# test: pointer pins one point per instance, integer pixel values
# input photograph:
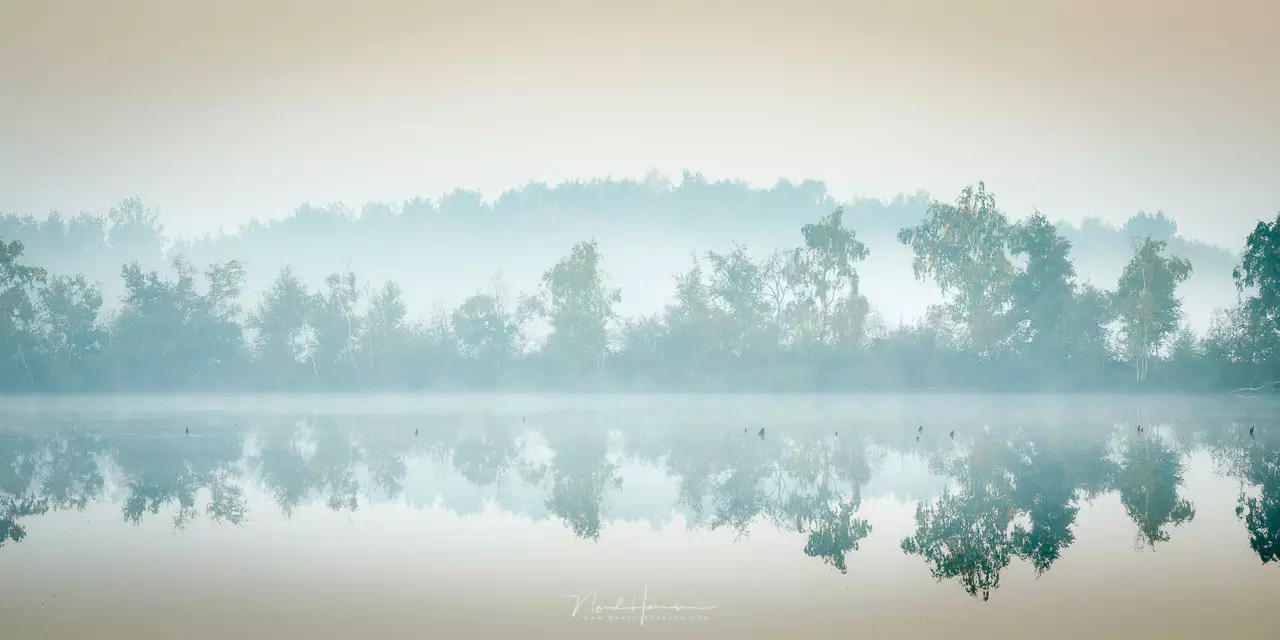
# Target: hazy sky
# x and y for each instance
(221, 111)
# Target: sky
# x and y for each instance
(218, 112)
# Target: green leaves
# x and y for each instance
(486, 329)
(828, 282)
(796, 319)
(962, 248)
(1259, 271)
(1147, 303)
(280, 321)
(1043, 292)
(580, 307)
(168, 333)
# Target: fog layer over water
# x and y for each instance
(476, 515)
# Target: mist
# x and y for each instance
(816, 319)
(648, 231)
(654, 251)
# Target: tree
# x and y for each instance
(169, 334)
(736, 285)
(337, 327)
(1087, 331)
(962, 247)
(828, 278)
(384, 336)
(779, 279)
(220, 323)
(1042, 292)
(579, 306)
(1147, 302)
(1259, 274)
(17, 313)
(1237, 348)
(1145, 225)
(690, 343)
(136, 232)
(488, 331)
(641, 348)
(1259, 270)
(70, 321)
(281, 324)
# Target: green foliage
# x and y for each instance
(580, 308)
(1144, 225)
(384, 338)
(489, 332)
(134, 230)
(792, 320)
(337, 326)
(17, 313)
(1042, 292)
(1147, 302)
(1087, 334)
(72, 333)
(827, 282)
(1259, 273)
(282, 329)
(962, 247)
(687, 337)
(965, 537)
(169, 334)
(735, 295)
(1148, 482)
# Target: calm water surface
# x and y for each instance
(499, 516)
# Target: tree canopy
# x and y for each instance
(1016, 316)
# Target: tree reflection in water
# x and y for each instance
(1015, 491)
(1255, 462)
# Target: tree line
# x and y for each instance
(647, 227)
(1015, 317)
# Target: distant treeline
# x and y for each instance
(1014, 318)
(647, 228)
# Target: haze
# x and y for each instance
(221, 112)
(437, 146)
(821, 319)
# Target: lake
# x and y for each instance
(471, 516)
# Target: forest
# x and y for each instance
(1013, 316)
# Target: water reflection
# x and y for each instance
(1255, 461)
(1148, 482)
(1015, 497)
(1014, 491)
